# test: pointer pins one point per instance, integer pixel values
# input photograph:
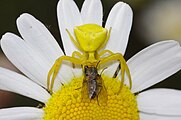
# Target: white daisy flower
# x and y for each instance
(37, 50)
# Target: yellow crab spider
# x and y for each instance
(90, 38)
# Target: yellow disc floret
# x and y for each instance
(67, 103)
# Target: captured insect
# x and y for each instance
(90, 39)
(93, 86)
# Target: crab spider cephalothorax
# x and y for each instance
(90, 38)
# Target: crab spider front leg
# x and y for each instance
(55, 68)
(124, 66)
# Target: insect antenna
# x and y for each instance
(97, 64)
(103, 70)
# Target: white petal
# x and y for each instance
(154, 63)
(110, 68)
(145, 116)
(25, 58)
(92, 12)
(14, 82)
(120, 19)
(38, 37)
(68, 17)
(21, 113)
(30, 62)
(160, 102)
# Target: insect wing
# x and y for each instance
(84, 91)
(102, 95)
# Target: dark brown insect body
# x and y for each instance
(93, 86)
(92, 79)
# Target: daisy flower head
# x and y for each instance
(37, 55)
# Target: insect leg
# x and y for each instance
(97, 100)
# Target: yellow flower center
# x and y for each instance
(67, 103)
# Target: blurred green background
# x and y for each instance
(146, 29)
